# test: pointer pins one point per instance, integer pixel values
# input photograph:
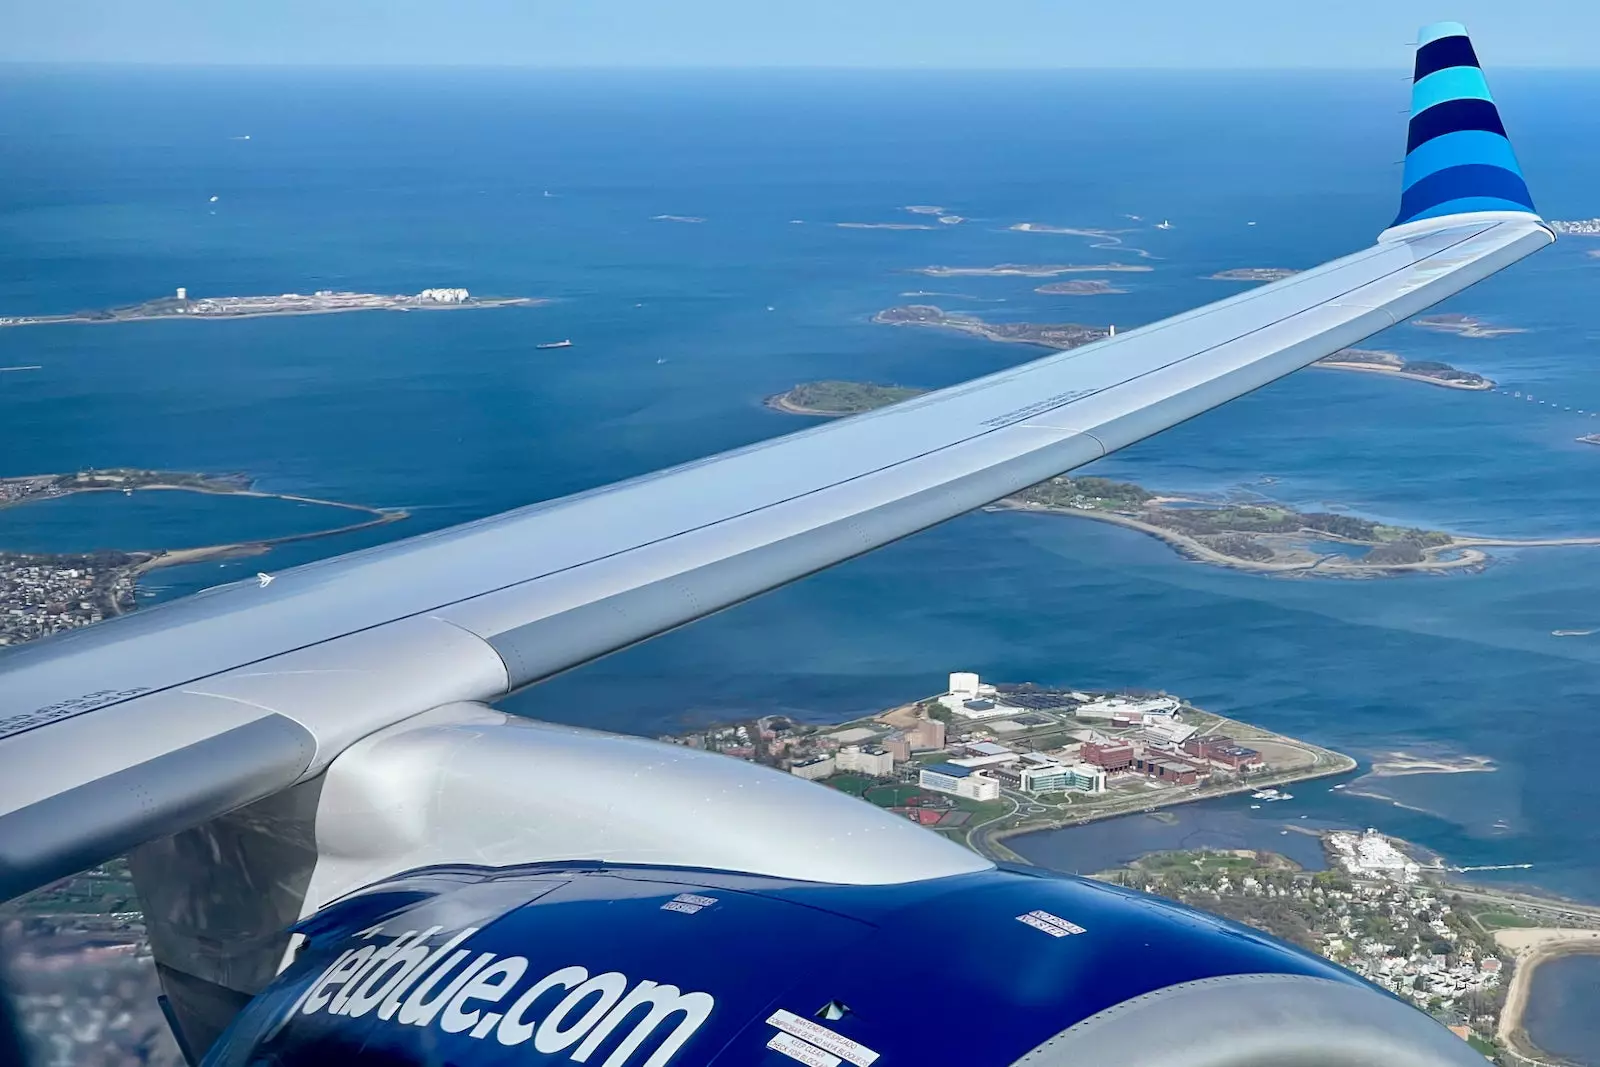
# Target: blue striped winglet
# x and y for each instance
(1457, 156)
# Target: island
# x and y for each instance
(1252, 274)
(1080, 287)
(322, 302)
(61, 591)
(1029, 270)
(883, 226)
(1463, 326)
(835, 398)
(1267, 537)
(1590, 438)
(1376, 361)
(1062, 335)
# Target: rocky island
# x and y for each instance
(1080, 287)
(1252, 274)
(321, 302)
(1060, 335)
(1463, 326)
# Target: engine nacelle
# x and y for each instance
(629, 966)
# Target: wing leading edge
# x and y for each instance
(104, 732)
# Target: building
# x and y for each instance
(898, 746)
(964, 685)
(1168, 734)
(1061, 777)
(1109, 756)
(873, 761)
(1109, 707)
(1168, 770)
(959, 781)
(183, 293)
(926, 735)
(813, 770)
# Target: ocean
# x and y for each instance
(548, 185)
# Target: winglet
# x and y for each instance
(1458, 160)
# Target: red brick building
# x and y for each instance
(1109, 756)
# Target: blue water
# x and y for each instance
(1560, 1016)
(393, 181)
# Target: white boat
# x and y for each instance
(554, 344)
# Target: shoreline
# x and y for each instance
(992, 844)
(117, 572)
(1470, 559)
(1483, 386)
(1530, 947)
(265, 313)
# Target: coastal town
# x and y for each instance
(322, 302)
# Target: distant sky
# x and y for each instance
(792, 33)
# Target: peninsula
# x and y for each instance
(984, 762)
(1463, 326)
(1061, 335)
(61, 591)
(1432, 372)
(1267, 537)
(1252, 274)
(1029, 270)
(322, 302)
(1080, 287)
(1071, 335)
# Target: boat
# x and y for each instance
(554, 344)
(1570, 633)
(1264, 794)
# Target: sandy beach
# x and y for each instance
(1530, 947)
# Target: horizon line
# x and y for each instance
(613, 68)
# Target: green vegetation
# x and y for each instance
(845, 398)
(892, 796)
(1503, 920)
(1233, 529)
(1096, 493)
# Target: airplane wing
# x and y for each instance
(144, 725)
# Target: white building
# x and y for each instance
(443, 296)
(871, 761)
(1061, 777)
(959, 781)
(1169, 733)
(812, 770)
(1106, 707)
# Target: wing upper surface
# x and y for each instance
(346, 646)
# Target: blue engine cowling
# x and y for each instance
(660, 967)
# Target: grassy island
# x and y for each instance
(835, 398)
